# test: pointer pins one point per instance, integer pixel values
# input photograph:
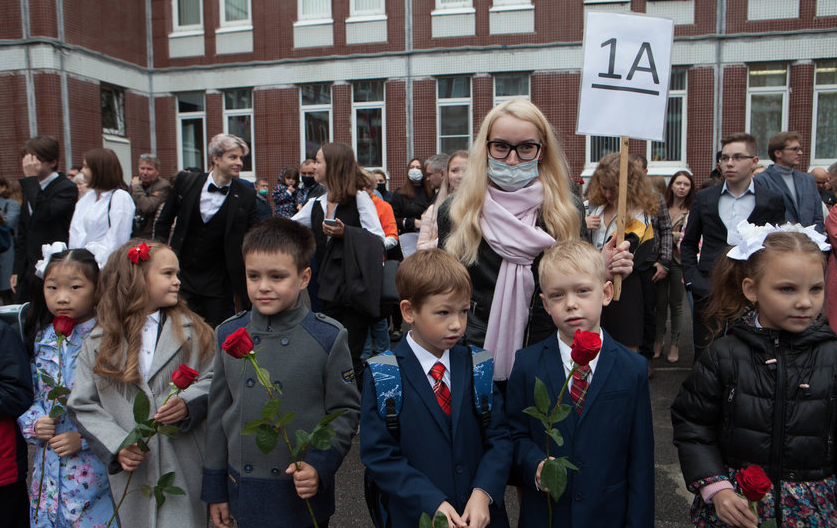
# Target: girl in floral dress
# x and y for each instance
(763, 395)
(69, 483)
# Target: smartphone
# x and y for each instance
(330, 222)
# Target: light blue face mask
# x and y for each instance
(512, 177)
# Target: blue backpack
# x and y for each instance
(386, 378)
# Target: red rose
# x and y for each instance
(184, 376)
(754, 483)
(238, 344)
(63, 325)
(586, 346)
(139, 252)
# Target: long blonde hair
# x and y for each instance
(121, 313)
(559, 212)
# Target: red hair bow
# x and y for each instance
(139, 253)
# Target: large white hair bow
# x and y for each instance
(749, 238)
(48, 250)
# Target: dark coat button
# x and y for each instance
(251, 382)
(257, 339)
(285, 341)
(578, 496)
(248, 468)
(274, 471)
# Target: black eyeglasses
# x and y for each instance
(500, 150)
(737, 158)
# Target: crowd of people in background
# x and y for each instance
(498, 247)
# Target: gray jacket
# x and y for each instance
(103, 412)
(307, 354)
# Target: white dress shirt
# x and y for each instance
(426, 359)
(149, 343)
(211, 202)
(365, 208)
(98, 230)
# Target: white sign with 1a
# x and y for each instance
(624, 81)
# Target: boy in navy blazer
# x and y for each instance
(441, 459)
(608, 436)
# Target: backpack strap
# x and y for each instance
(483, 369)
(386, 378)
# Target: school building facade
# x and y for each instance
(393, 78)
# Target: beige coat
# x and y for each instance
(103, 413)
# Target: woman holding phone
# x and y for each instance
(343, 215)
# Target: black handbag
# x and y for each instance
(389, 293)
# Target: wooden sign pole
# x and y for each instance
(621, 208)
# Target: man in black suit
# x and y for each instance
(718, 210)
(49, 200)
(213, 212)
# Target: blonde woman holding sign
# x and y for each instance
(513, 203)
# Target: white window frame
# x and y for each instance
(496, 3)
(323, 15)
(367, 105)
(818, 90)
(304, 109)
(767, 90)
(678, 164)
(501, 98)
(458, 101)
(177, 28)
(354, 11)
(590, 164)
(117, 94)
(245, 112)
(238, 24)
(181, 116)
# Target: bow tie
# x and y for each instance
(223, 190)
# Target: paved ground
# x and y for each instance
(672, 499)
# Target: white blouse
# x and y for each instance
(98, 230)
(365, 207)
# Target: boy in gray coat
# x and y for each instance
(307, 355)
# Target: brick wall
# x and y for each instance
(424, 121)
(10, 15)
(341, 113)
(48, 96)
(113, 27)
(85, 116)
(137, 126)
(165, 109)
(15, 129)
(700, 101)
(734, 106)
(800, 103)
(42, 18)
(396, 132)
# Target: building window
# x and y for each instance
(600, 146)
(366, 8)
(510, 86)
(454, 113)
(191, 145)
(453, 4)
(113, 110)
(825, 113)
(767, 88)
(511, 3)
(187, 15)
(235, 13)
(238, 120)
(673, 148)
(314, 9)
(316, 117)
(368, 114)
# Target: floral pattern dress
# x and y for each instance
(75, 489)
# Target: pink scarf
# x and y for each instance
(508, 225)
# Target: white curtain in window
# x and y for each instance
(188, 12)
(236, 10)
(368, 6)
(315, 9)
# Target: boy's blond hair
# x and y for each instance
(431, 272)
(572, 256)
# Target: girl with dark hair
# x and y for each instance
(287, 191)
(412, 198)
(670, 290)
(144, 334)
(344, 220)
(104, 216)
(69, 482)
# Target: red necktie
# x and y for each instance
(441, 390)
(578, 390)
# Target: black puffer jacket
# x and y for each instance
(759, 396)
